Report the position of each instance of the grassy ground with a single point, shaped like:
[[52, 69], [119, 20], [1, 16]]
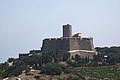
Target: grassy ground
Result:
[[100, 72]]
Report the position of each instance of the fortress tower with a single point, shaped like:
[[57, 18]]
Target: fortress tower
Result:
[[73, 44], [67, 30]]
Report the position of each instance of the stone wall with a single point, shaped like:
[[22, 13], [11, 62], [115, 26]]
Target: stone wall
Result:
[[55, 45], [74, 45], [66, 44], [83, 54], [69, 43], [67, 30], [81, 44]]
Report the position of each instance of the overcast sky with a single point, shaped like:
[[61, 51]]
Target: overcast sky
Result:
[[25, 23]]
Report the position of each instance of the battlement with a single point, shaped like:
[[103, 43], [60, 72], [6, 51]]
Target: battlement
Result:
[[70, 38], [64, 38]]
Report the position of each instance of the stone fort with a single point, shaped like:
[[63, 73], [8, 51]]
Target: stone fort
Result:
[[73, 44]]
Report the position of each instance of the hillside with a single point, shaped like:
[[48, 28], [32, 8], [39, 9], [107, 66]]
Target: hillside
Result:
[[59, 66]]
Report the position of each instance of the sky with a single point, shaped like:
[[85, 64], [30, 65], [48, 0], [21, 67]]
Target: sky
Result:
[[25, 23]]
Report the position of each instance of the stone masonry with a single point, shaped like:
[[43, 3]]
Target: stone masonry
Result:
[[75, 44]]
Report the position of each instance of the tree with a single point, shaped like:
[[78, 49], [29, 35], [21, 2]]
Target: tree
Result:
[[1, 73], [46, 58], [67, 70], [10, 60], [112, 53], [77, 58], [66, 56], [51, 69]]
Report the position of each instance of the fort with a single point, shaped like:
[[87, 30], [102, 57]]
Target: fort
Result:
[[73, 44]]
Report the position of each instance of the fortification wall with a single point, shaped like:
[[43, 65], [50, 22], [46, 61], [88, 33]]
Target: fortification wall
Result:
[[67, 44], [75, 43], [86, 44], [55, 45], [81, 44], [84, 47], [83, 54]]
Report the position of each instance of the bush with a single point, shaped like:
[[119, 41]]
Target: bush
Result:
[[51, 69], [67, 70]]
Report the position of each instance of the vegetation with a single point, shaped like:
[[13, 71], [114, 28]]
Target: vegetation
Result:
[[99, 72], [49, 63], [109, 56], [1, 73], [52, 69]]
